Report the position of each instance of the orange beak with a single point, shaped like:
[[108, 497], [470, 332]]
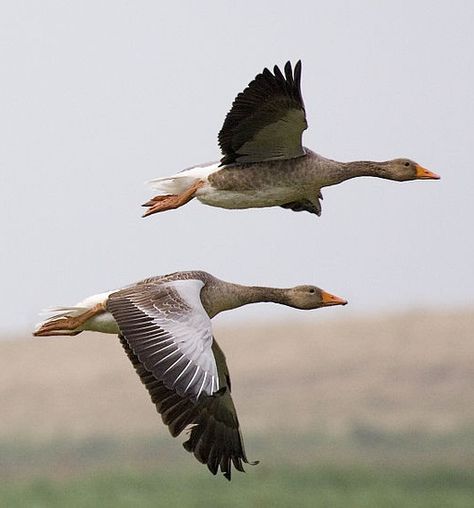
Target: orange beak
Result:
[[424, 174], [329, 299]]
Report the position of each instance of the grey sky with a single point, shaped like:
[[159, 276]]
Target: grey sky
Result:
[[99, 97]]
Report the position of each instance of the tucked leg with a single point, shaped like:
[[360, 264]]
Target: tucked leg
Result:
[[68, 325], [171, 201]]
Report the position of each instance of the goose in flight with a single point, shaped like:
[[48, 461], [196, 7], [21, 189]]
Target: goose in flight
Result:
[[164, 326], [263, 160]]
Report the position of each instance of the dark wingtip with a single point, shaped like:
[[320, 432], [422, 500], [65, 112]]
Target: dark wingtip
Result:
[[298, 71], [289, 73], [228, 474], [278, 73], [297, 77]]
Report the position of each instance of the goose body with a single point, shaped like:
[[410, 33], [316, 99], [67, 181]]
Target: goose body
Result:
[[264, 162], [164, 326], [250, 185]]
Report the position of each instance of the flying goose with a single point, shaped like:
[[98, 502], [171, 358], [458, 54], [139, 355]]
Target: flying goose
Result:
[[164, 325], [263, 160]]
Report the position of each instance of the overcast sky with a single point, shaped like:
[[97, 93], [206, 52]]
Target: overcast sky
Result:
[[99, 97]]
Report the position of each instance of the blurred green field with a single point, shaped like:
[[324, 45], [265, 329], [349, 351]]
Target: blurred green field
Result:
[[277, 486], [366, 469], [371, 412]]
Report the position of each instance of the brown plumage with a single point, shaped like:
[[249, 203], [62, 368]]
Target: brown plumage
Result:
[[164, 326], [264, 162]]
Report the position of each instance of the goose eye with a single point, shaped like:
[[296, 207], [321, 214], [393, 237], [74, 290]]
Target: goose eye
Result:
[[311, 290], [406, 164]]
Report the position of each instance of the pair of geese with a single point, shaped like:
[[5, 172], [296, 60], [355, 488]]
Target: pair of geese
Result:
[[164, 322]]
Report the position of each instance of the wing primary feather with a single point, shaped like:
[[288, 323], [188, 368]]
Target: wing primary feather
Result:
[[161, 360], [154, 343], [278, 74], [183, 371], [173, 365], [289, 75], [297, 78], [202, 385], [172, 344], [192, 379]]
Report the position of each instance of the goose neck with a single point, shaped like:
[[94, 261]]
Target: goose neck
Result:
[[338, 172], [232, 296]]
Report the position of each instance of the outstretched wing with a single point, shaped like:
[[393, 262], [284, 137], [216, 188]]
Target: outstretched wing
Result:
[[169, 331], [215, 437], [267, 120]]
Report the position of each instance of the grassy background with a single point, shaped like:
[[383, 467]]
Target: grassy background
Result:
[[362, 471], [283, 487], [374, 412]]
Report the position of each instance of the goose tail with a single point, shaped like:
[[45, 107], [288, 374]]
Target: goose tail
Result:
[[56, 317], [172, 185], [180, 182], [89, 314]]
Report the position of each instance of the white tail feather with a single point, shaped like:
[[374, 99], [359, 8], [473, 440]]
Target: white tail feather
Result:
[[172, 185], [62, 311], [178, 183]]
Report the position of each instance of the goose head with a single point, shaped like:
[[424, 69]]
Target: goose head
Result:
[[402, 170], [311, 297]]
